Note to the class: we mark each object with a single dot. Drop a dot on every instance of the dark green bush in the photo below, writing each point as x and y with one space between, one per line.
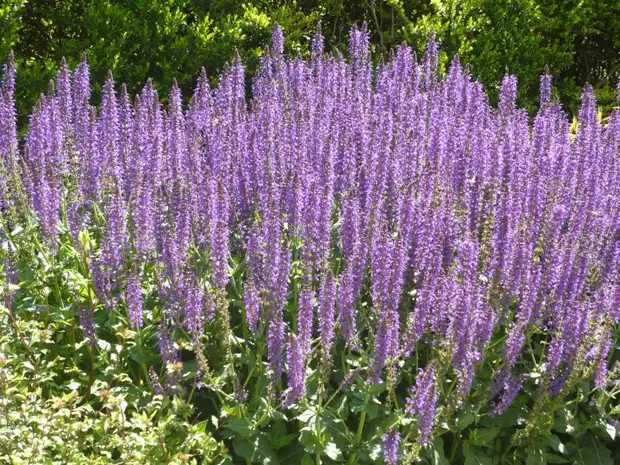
173 39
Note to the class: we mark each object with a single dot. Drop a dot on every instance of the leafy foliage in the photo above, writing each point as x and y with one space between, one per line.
63 403
166 39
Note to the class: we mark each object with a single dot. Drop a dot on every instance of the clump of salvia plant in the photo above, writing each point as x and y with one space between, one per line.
380 230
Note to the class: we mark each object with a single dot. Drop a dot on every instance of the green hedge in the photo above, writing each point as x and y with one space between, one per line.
167 39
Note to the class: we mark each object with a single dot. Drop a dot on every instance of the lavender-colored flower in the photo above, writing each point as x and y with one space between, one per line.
430 63
277 40
545 88
423 402
305 321
9 169
115 235
511 386
389 191
318 41
252 305
89 326
391 441
194 309
157 387
296 370
134 300
600 367
508 95
327 303
219 232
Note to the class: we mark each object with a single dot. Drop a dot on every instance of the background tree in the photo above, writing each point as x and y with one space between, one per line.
167 39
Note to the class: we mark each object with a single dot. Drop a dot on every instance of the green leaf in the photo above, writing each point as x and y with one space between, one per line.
274 414
255 449
335 427
596 454
377 389
535 455
332 451
281 441
307 460
244 448
464 418
371 408
74 385
376 453
436 453
484 436
552 458
565 422
305 416
310 441
555 443
476 456
510 417
241 427
104 345
611 430
261 443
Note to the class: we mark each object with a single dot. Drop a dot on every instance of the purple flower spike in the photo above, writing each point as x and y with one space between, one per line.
423 402
391 441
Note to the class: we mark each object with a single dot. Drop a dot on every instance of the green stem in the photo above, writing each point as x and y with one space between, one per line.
248 378
318 427
145 370
453 450
360 430
380 433
147 378
91 377
191 394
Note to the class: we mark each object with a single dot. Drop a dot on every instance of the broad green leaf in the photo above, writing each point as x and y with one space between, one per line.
310 441
281 441
436 453
332 451
305 416
555 443
535 455
611 431
484 436
553 458
256 449
244 448
464 418
376 453
371 408
565 422
239 428
595 454
510 417
476 456
274 414
142 354
377 389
